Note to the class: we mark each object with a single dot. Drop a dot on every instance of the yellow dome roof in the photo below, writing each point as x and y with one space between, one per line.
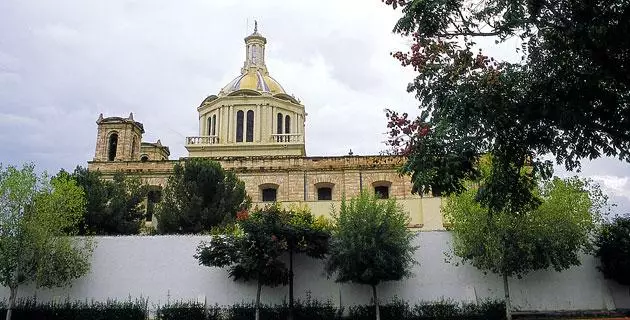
256 80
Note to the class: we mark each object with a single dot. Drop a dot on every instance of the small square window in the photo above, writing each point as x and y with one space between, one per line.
382 192
269 194
324 193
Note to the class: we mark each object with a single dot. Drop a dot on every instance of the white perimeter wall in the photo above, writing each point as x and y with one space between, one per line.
162 267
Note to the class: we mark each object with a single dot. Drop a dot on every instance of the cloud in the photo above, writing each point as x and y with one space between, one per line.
16 120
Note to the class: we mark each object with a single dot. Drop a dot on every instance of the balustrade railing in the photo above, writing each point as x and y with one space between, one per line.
286 137
202 140
275 138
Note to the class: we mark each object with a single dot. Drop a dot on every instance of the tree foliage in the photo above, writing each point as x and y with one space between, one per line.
37 218
552 235
303 233
370 243
568 96
613 250
113 207
251 252
200 195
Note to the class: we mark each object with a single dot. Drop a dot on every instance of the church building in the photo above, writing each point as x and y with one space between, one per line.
255 128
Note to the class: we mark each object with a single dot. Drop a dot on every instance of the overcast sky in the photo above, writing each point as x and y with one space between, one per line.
64 62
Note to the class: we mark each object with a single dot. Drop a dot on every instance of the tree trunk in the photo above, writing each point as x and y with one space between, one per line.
508 307
376 308
258 300
290 284
12 297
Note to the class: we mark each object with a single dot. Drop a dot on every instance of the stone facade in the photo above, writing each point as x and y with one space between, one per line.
256 129
153 151
118 139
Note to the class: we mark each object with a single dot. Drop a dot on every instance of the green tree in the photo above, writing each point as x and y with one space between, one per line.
613 250
199 195
568 96
251 252
303 234
551 235
370 243
113 207
37 219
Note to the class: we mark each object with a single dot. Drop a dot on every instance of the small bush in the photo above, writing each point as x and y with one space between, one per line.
613 250
303 310
316 310
187 311
441 310
247 311
30 309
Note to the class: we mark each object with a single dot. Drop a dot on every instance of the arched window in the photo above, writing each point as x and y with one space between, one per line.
153 197
144 158
209 126
279 129
134 148
250 126
239 126
214 125
112 146
287 124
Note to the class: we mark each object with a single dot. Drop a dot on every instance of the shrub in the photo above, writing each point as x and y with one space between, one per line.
613 250
441 310
188 311
30 309
303 310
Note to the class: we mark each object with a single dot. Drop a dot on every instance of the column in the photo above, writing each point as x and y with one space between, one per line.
258 124
229 125
273 120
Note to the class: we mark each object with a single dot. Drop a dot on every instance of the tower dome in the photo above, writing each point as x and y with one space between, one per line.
254 77
255 80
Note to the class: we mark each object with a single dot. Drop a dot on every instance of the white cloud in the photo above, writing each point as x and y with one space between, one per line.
618 186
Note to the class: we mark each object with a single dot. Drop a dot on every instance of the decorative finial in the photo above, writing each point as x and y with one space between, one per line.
159 143
130 116
255 26
350 153
100 118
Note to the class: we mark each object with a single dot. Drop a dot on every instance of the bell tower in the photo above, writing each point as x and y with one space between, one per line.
252 115
118 139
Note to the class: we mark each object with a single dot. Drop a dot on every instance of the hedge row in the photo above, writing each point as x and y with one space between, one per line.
30 309
315 310
303 310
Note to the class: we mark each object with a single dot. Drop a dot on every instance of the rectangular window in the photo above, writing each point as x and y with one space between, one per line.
382 192
324 193
269 195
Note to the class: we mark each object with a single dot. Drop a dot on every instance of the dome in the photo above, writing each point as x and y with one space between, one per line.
255 80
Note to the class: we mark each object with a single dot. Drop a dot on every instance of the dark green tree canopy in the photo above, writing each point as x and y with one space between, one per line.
613 250
251 251
569 96
113 207
200 195
371 242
